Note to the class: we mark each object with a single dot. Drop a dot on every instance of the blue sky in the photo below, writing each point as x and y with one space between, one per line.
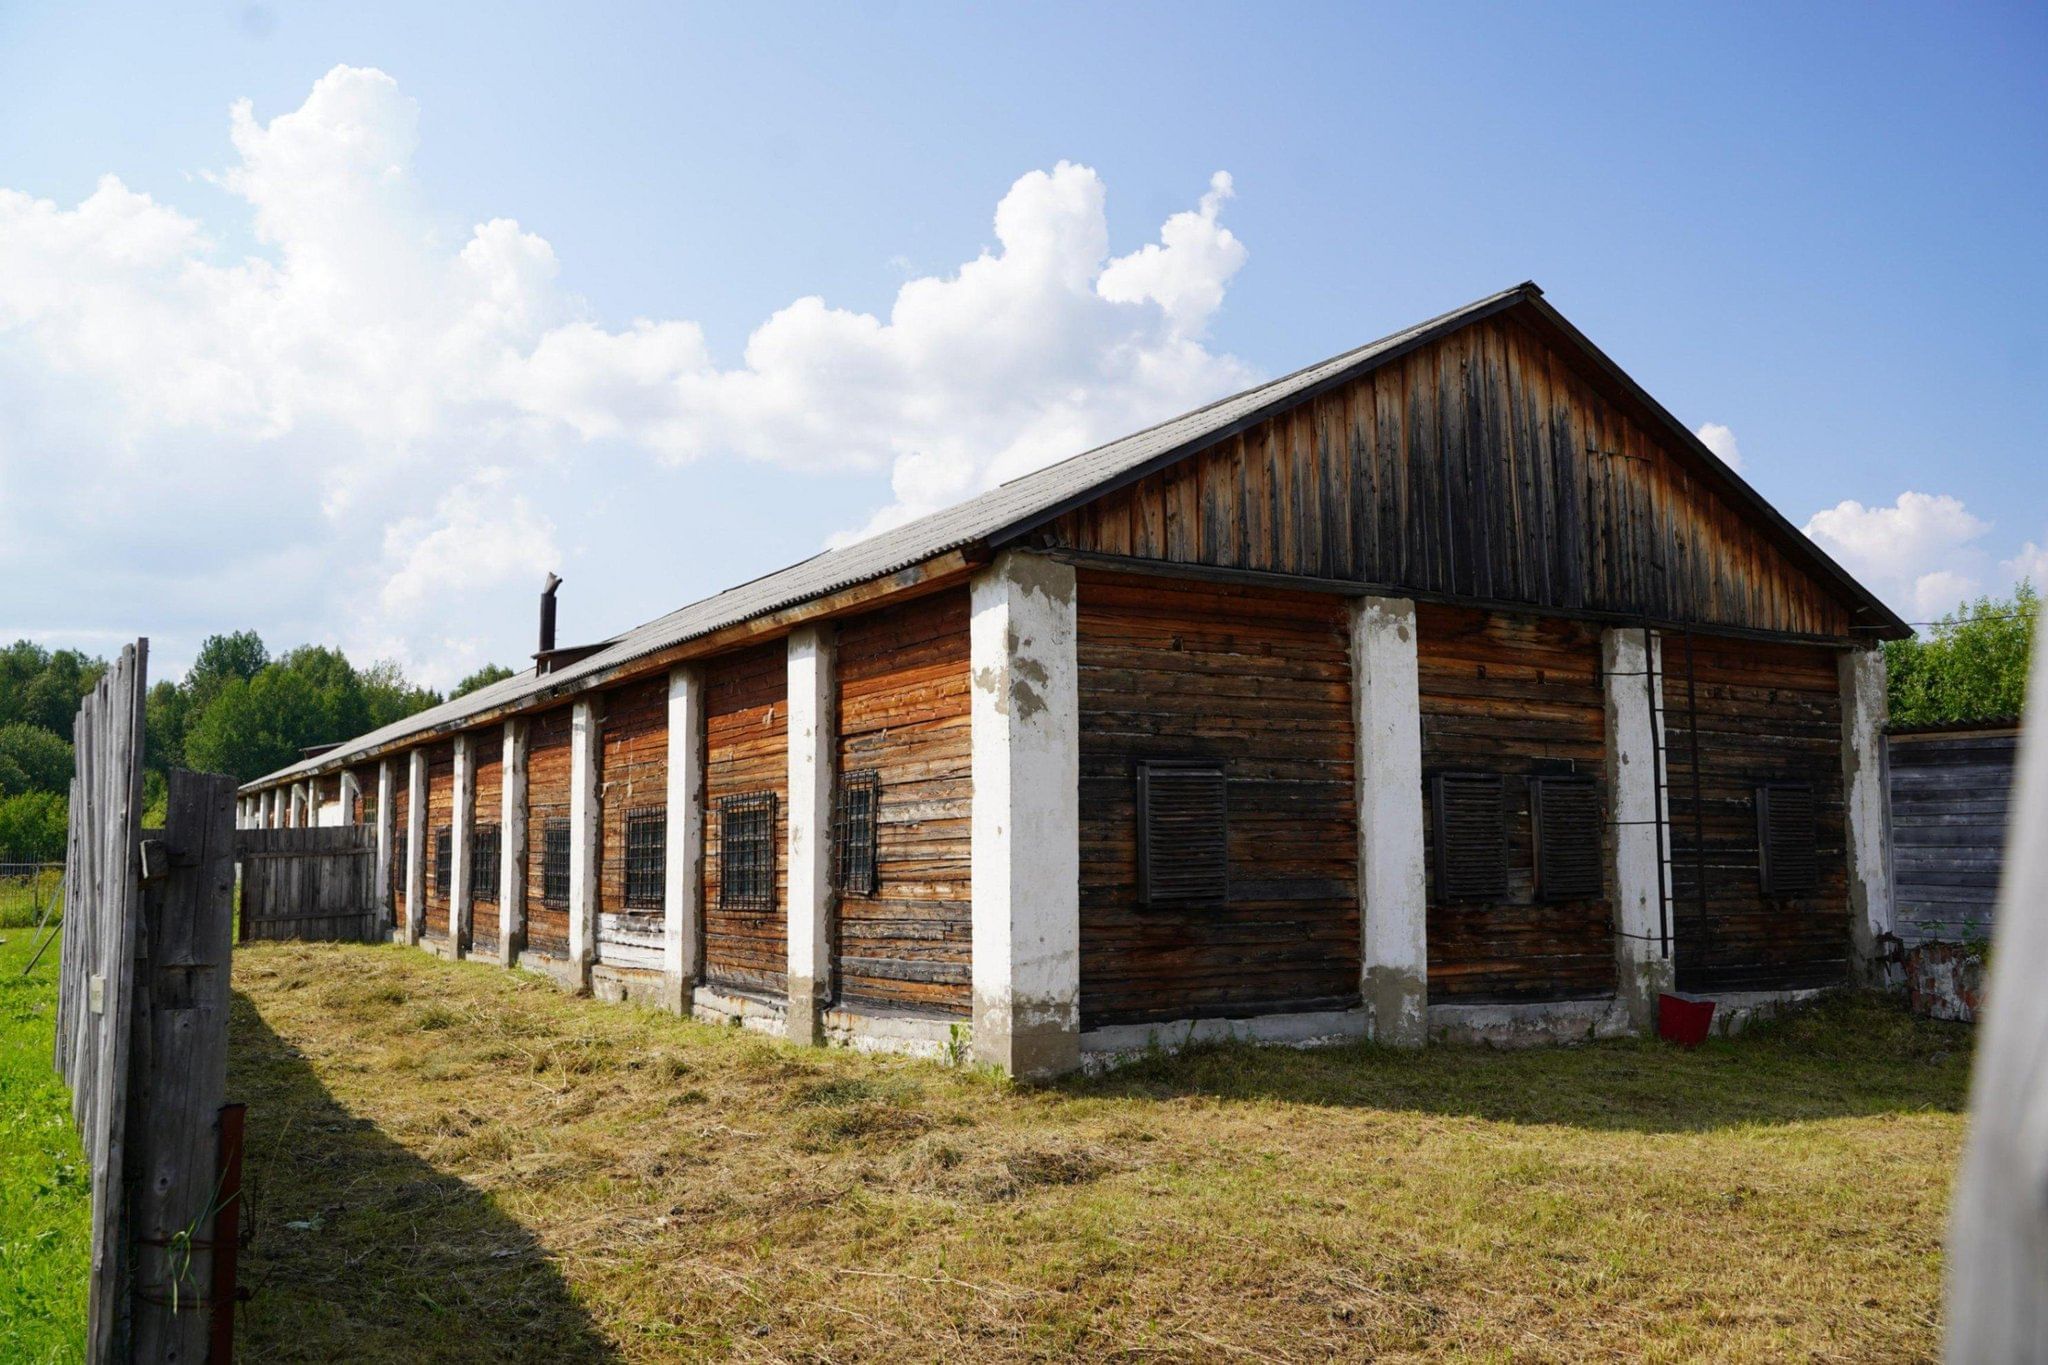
278 376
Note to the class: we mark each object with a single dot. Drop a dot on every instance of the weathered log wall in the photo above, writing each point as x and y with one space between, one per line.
364 811
1483 466
1768 713
487 747
634 775
903 715
1521 697
311 884
401 805
440 816
547 798
746 730
1260 679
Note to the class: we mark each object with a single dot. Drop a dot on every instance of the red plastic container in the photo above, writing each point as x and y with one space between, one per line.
1684 1019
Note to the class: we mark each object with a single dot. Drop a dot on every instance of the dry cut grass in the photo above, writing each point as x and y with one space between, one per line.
449 1161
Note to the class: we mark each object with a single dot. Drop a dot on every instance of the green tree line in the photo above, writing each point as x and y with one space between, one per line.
237 710
1969 666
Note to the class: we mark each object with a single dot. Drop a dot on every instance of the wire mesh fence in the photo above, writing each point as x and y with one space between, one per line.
29 892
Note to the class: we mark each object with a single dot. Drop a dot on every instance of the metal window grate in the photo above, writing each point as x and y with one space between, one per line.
1788 845
1471 837
746 852
1183 832
854 834
398 866
646 858
485 846
554 862
1565 814
444 856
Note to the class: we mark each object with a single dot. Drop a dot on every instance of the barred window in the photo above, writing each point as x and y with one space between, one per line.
554 862
398 887
1183 832
854 832
1471 837
444 855
746 852
1565 812
1787 843
485 848
646 857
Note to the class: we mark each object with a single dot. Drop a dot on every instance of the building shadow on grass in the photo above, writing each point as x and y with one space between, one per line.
363 1251
1846 1057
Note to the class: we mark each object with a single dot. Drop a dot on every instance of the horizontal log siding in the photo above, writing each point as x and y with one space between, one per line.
746 733
401 829
634 774
488 748
1481 466
547 798
1260 679
440 811
1767 713
903 714
1519 696
365 812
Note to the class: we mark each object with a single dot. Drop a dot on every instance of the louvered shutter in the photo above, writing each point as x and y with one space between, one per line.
1471 837
1183 833
1565 814
1789 861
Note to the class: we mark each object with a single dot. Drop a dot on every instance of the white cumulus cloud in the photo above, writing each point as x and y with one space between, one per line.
1919 554
365 430
1721 441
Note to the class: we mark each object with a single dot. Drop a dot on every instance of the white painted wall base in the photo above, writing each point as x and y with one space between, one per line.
1543 1023
627 985
1105 1047
939 1040
713 1005
1737 1010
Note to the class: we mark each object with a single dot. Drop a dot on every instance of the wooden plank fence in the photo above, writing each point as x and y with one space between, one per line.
313 883
1949 796
142 1014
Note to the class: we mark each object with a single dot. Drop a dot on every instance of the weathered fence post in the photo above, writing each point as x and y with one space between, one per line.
179 1070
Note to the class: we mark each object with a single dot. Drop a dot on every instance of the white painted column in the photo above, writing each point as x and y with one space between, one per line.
1393 895
462 830
683 890
1864 709
813 754
299 803
266 808
416 847
273 813
349 792
1640 877
387 823
512 846
584 832
1026 831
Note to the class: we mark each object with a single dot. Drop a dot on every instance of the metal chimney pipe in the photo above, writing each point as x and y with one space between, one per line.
547 614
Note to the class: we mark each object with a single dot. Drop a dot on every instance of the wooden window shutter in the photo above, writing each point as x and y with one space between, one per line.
1565 815
1788 846
1183 832
1471 837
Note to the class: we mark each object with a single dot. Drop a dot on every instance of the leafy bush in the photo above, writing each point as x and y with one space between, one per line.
32 827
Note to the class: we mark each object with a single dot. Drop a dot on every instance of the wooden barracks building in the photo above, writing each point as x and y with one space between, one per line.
1448 688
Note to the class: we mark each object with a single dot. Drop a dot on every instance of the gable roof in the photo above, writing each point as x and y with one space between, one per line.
1006 513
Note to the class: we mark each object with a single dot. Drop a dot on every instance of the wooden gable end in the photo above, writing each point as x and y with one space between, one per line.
1485 466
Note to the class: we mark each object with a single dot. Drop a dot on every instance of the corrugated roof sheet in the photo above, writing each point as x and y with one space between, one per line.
979 519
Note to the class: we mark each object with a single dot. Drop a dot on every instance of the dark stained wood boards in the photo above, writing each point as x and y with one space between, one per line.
1260 680
547 798
1515 697
1483 466
746 730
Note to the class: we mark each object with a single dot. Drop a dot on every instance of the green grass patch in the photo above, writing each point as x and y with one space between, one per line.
450 1161
45 1190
